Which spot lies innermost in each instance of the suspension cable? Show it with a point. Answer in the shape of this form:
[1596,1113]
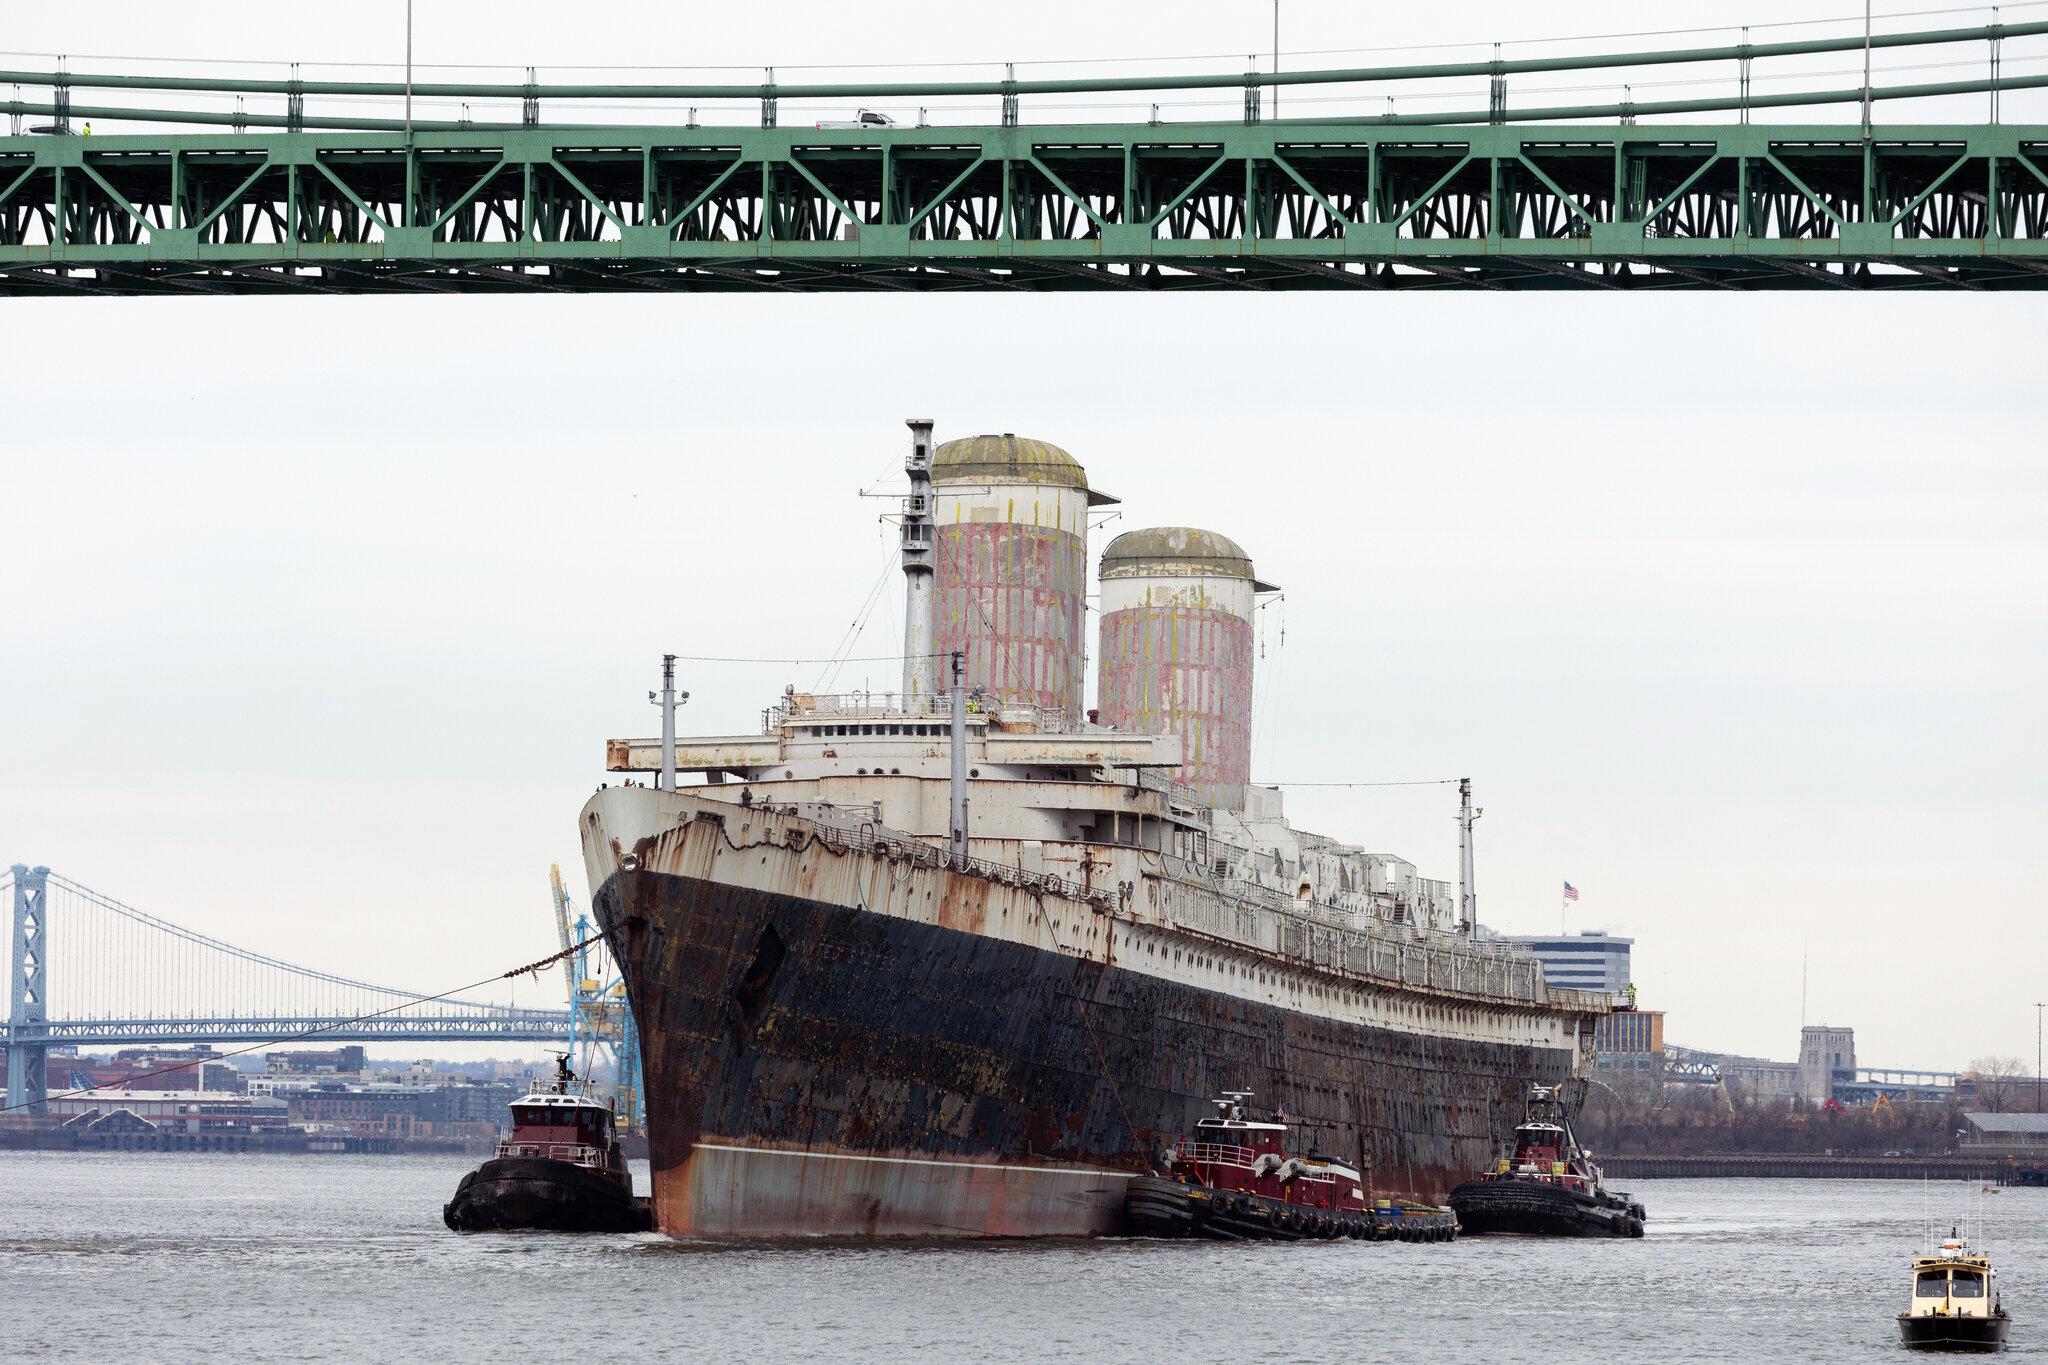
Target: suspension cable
[956,63]
[206,941]
[1038,86]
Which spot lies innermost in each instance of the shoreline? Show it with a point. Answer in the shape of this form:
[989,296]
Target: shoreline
[1809,1166]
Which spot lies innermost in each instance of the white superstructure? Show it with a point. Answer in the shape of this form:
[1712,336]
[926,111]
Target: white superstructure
[1214,888]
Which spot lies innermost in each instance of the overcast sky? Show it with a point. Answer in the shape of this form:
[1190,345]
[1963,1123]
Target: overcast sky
[319,612]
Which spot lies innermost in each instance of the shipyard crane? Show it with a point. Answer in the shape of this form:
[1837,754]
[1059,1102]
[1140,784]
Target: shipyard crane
[601,1026]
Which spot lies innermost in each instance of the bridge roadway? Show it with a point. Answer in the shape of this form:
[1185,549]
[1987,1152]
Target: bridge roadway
[1291,205]
[508,1025]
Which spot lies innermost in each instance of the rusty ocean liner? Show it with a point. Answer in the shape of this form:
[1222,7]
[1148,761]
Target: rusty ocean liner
[965,958]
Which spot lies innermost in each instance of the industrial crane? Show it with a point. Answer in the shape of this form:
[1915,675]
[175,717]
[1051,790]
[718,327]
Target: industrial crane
[601,1024]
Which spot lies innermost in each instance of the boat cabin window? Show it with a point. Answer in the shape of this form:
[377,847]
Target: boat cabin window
[1966,1284]
[1933,1284]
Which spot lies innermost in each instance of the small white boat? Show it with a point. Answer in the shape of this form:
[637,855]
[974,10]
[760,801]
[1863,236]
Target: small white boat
[1955,1304]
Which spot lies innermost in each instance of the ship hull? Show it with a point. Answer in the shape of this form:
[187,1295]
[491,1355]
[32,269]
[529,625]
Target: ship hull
[1539,1209]
[1952,1333]
[514,1194]
[814,1067]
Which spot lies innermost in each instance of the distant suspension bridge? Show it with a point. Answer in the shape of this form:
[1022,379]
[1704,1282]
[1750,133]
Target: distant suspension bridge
[131,978]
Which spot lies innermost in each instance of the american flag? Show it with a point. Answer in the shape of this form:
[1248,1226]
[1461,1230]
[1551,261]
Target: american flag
[1571,893]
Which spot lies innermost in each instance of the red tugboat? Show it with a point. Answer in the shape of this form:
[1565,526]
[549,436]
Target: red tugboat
[561,1170]
[1548,1184]
[1234,1180]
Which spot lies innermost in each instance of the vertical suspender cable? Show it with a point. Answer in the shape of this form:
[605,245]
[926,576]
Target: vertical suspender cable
[1996,54]
[1866,70]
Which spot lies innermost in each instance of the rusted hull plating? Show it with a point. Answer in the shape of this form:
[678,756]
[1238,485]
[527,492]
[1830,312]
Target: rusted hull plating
[815,1068]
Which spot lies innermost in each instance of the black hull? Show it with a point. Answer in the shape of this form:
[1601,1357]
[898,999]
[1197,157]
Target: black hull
[1954,1333]
[514,1194]
[1533,1208]
[813,1067]
[1170,1208]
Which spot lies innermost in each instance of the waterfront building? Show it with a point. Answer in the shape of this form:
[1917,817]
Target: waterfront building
[1590,960]
[198,1067]
[399,1110]
[2017,1135]
[69,1069]
[178,1111]
[1761,1080]
[340,1061]
[1826,1052]
[1628,1034]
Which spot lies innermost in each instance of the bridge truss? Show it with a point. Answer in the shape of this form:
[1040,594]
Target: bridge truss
[1229,206]
[1504,197]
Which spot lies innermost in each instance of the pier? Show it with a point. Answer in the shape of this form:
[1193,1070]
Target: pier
[1809,1166]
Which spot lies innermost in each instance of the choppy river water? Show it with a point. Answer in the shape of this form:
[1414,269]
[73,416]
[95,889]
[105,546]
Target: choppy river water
[176,1258]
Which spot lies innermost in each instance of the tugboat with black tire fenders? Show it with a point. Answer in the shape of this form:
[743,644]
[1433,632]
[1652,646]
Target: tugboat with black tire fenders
[560,1170]
[1547,1184]
[1233,1180]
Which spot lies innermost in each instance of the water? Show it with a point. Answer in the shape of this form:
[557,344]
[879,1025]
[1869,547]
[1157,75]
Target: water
[177,1258]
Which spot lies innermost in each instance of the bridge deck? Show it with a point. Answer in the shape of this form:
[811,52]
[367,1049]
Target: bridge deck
[1343,206]
[509,1025]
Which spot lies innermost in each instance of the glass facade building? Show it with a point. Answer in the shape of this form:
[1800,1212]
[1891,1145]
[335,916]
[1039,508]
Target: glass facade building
[1587,961]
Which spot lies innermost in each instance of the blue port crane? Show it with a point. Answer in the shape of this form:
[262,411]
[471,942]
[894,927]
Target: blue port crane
[601,1028]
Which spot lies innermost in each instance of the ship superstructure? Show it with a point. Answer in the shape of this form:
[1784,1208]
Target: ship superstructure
[962,958]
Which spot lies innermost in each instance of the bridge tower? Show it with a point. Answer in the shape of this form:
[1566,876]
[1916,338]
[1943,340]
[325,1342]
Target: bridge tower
[1826,1054]
[28,1006]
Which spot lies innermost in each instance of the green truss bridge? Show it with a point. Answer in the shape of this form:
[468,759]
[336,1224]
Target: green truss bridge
[183,201]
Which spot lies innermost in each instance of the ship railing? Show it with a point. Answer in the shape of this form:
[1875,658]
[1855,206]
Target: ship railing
[1217,1154]
[871,840]
[1371,948]
[577,1153]
[1051,720]
[1181,792]
[850,704]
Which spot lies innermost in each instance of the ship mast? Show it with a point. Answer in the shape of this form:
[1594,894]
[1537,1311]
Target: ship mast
[668,699]
[917,568]
[1468,906]
[958,823]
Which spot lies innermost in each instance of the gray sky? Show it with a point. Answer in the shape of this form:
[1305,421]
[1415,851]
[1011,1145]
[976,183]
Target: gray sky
[320,611]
